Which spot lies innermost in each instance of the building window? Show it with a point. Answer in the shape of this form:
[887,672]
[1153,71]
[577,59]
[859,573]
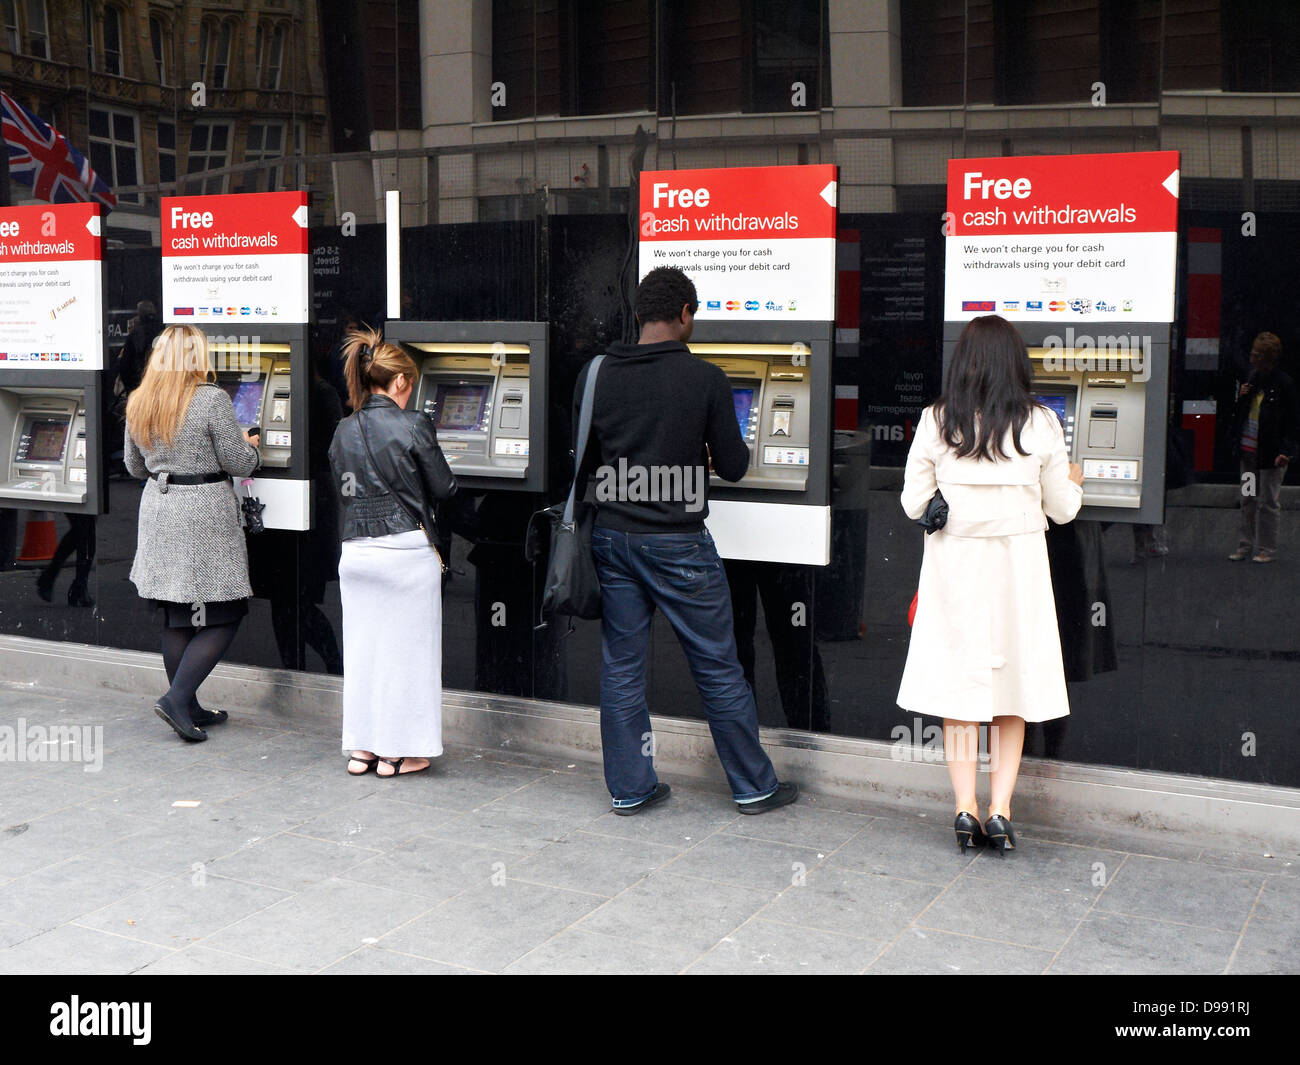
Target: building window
[269,56]
[1261,46]
[112,41]
[166,152]
[265,141]
[209,150]
[38,30]
[115,149]
[788,38]
[214,53]
[158,38]
[13,39]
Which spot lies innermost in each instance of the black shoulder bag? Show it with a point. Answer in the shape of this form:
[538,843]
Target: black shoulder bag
[418,519]
[572,587]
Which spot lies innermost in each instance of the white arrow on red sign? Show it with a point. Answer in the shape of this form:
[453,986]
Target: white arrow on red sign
[828,193]
[300,215]
[1171,183]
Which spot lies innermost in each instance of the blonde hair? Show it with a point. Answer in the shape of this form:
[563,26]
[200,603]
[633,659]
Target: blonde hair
[178,363]
[369,361]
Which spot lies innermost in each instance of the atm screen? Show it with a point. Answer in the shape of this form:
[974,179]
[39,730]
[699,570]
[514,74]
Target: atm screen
[744,400]
[1057,403]
[460,406]
[247,397]
[47,439]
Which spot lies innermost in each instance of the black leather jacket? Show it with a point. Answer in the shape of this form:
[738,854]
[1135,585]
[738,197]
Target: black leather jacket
[400,479]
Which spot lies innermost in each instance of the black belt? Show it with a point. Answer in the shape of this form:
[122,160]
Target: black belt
[191,478]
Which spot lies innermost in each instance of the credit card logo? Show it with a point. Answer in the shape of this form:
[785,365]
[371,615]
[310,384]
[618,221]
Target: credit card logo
[182,310]
[1033,305]
[979,305]
[751,305]
[1011,305]
[1056,305]
[714,305]
[733,305]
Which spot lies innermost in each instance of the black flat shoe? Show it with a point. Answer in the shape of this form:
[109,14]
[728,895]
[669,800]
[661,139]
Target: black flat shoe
[204,717]
[969,833]
[180,721]
[784,795]
[661,792]
[1001,836]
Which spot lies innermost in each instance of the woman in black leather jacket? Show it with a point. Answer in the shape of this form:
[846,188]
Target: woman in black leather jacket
[390,472]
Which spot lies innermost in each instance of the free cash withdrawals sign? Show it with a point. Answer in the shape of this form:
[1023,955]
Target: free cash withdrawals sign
[759,242]
[237,258]
[51,299]
[1062,237]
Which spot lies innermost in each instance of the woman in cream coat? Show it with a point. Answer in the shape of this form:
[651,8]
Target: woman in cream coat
[985,646]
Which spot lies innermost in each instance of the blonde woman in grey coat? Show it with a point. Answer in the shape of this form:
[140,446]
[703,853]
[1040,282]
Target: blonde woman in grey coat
[191,561]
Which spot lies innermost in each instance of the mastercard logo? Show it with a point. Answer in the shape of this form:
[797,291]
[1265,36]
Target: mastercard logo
[733,305]
[1056,305]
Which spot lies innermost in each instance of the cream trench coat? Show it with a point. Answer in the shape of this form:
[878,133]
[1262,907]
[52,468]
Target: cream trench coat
[985,642]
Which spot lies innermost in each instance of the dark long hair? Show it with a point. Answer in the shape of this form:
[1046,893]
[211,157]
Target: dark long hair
[988,376]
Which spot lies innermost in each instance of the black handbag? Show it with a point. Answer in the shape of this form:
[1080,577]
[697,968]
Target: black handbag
[572,587]
[936,514]
[252,508]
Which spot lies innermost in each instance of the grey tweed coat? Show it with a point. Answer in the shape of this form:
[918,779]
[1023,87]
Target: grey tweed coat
[190,545]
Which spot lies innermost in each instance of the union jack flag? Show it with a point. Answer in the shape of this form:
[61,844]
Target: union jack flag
[40,156]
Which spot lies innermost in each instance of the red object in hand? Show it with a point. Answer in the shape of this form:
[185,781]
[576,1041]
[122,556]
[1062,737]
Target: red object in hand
[911,610]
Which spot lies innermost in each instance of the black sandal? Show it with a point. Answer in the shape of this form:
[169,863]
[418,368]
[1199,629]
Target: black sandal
[396,763]
[369,764]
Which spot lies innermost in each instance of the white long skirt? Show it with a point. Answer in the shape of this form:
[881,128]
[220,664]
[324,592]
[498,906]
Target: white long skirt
[985,641]
[392,646]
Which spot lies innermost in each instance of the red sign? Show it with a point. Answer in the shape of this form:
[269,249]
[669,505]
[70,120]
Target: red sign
[1120,192]
[239,224]
[50,232]
[738,203]
[243,256]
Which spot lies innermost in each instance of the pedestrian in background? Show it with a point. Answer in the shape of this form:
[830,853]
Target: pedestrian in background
[390,473]
[985,645]
[191,561]
[1266,429]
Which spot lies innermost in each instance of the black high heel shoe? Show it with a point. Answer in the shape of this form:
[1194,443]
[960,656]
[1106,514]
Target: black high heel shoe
[1001,836]
[969,833]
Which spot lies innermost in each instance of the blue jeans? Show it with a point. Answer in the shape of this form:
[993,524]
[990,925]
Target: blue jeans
[681,574]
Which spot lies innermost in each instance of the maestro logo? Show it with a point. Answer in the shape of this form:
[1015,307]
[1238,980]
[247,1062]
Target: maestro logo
[979,305]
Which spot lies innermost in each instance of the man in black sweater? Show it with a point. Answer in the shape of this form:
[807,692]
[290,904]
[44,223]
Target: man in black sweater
[660,416]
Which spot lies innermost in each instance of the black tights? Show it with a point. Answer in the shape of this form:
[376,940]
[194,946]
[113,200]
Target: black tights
[189,655]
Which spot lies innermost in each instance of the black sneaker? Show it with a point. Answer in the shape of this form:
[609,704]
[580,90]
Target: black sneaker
[660,793]
[784,795]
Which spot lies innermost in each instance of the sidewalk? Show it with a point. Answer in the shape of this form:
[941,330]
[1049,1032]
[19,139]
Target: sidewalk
[501,862]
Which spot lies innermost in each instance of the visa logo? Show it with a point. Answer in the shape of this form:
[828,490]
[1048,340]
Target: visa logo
[714,305]
[1033,305]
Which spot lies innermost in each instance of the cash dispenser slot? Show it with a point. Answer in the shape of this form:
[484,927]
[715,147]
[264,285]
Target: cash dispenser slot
[478,396]
[770,389]
[46,459]
[257,379]
[1112,401]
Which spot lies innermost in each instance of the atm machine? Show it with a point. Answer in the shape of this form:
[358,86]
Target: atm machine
[1111,403]
[485,385]
[50,425]
[267,379]
[780,376]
